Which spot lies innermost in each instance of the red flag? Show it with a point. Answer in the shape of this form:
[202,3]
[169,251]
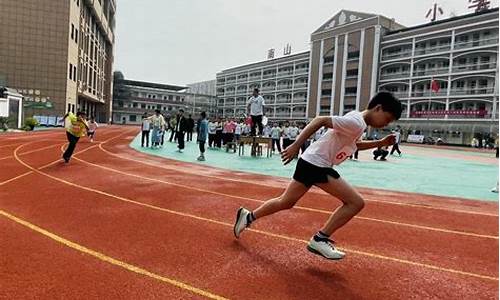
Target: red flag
[435,86]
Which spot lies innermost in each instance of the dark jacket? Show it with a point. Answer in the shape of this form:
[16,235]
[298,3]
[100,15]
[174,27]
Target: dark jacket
[182,125]
[190,125]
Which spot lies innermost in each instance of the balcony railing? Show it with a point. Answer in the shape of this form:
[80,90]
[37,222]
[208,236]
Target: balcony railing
[299,100]
[396,55]
[287,73]
[301,71]
[298,114]
[474,67]
[477,43]
[269,75]
[385,76]
[284,87]
[400,94]
[268,88]
[440,48]
[475,91]
[281,101]
[429,93]
[300,85]
[432,71]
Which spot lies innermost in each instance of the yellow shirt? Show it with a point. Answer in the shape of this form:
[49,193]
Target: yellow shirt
[75,126]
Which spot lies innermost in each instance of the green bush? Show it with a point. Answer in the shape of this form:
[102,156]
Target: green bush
[30,123]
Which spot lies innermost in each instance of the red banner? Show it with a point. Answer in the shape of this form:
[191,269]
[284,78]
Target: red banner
[449,112]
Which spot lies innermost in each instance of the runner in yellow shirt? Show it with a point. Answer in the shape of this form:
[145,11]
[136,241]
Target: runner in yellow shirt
[76,127]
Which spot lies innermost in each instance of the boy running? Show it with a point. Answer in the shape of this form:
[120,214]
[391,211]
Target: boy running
[315,168]
[92,128]
[75,128]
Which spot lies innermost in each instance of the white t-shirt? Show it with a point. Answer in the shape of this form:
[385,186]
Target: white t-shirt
[275,133]
[398,136]
[146,125]
[286,132]
[338,143]
[93,126]
[293,133]
[238,129]
[212,127]
[256,105]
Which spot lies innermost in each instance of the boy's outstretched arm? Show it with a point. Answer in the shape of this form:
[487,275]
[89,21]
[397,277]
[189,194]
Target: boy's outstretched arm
[387,141]
[291,151]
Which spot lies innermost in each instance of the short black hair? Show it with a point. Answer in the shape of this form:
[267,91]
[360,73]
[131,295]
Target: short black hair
[80,113]
[157,111]
[256,90]
[203,114]
[181,110]
[388,102]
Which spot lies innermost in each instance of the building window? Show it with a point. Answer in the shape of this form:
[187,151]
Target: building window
[132,118]
[74,73]
[351,90]
[177,98]
[143,105]
[72,31]
[71,71]
[76,36]
[353,55]
[355,72]
[327,92]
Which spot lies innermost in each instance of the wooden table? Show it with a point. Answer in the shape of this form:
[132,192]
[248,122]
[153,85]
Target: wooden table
[256,142]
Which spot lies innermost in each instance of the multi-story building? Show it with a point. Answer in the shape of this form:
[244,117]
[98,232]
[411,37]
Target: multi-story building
[282,82]
[446,75]
[59,53]
[200,96]
[131,99]
[202,88]
[354,55]
[344,56]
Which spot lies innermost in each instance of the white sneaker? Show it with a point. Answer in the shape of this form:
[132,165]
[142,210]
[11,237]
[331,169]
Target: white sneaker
[241,221]
[325,248]
[494,190]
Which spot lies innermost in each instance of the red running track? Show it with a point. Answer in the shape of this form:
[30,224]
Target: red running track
[115,223]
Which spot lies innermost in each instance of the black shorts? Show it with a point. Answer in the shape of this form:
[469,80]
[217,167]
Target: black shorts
[309,174]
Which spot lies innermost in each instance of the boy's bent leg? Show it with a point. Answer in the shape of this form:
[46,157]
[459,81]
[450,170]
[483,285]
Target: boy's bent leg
[294,191]
[353,203]
[321,243]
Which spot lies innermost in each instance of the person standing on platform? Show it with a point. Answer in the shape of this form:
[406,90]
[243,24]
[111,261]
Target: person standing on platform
[255,108]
